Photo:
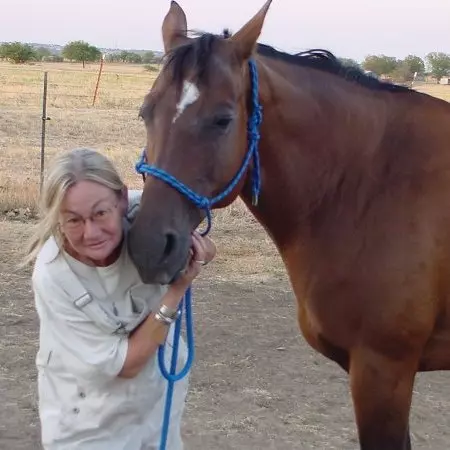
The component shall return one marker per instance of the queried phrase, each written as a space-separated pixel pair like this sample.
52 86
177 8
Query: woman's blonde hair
68 168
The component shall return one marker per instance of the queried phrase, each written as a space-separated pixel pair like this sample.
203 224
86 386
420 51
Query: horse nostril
171 241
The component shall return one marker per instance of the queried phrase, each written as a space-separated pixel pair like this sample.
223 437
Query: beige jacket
82 403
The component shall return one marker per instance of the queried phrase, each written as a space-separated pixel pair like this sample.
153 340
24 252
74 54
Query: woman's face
91 222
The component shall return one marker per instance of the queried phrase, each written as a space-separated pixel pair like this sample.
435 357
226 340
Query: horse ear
246 38
174 27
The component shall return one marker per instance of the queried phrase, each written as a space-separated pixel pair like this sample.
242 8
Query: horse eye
146 112
222 122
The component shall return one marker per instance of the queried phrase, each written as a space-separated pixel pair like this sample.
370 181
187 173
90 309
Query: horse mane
196 54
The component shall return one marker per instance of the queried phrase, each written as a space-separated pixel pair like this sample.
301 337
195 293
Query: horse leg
382 389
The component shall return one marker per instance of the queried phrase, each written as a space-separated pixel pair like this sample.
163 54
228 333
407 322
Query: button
76 410
82 395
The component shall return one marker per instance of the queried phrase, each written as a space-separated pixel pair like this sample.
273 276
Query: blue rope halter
205 203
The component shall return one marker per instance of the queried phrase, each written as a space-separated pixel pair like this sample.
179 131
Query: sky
348 28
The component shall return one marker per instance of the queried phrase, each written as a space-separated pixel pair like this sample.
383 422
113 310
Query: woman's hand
202 252
204 249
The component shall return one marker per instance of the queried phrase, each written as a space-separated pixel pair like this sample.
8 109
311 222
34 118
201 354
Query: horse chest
331 342
327 315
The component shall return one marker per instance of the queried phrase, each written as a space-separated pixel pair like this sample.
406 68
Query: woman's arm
145 339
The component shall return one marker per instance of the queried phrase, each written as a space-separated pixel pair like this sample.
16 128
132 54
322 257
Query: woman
99 383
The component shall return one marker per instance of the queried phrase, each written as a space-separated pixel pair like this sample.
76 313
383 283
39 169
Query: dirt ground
255 382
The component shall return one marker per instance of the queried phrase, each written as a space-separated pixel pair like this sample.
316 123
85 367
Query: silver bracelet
162 319
166 315
167 312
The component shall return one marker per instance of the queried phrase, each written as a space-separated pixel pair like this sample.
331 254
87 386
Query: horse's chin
178 273
165 276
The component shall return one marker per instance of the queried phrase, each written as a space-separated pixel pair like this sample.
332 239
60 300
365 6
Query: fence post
102 60
44 120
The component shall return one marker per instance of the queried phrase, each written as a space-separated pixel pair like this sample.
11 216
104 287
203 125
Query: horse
350 180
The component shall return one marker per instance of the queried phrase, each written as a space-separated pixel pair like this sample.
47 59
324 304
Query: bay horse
354 192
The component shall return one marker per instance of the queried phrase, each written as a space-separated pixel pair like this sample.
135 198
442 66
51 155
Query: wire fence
43 112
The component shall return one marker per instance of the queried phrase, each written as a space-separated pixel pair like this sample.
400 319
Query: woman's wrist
173 296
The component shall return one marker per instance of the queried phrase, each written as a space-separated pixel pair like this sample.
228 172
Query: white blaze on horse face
189 96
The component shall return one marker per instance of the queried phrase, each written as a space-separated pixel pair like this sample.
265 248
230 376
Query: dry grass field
255 383
112 125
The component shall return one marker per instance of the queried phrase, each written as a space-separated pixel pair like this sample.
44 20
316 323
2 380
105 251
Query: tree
148 57
123 56
414 64
134 58
380 64
113 57
43 53
439 63
81 51
408 67
130 57
349 62
17 52
53 58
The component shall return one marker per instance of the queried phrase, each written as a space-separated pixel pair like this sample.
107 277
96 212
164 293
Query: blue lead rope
206 204
172 377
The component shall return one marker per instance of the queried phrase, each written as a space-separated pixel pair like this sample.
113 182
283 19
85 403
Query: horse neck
318 134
